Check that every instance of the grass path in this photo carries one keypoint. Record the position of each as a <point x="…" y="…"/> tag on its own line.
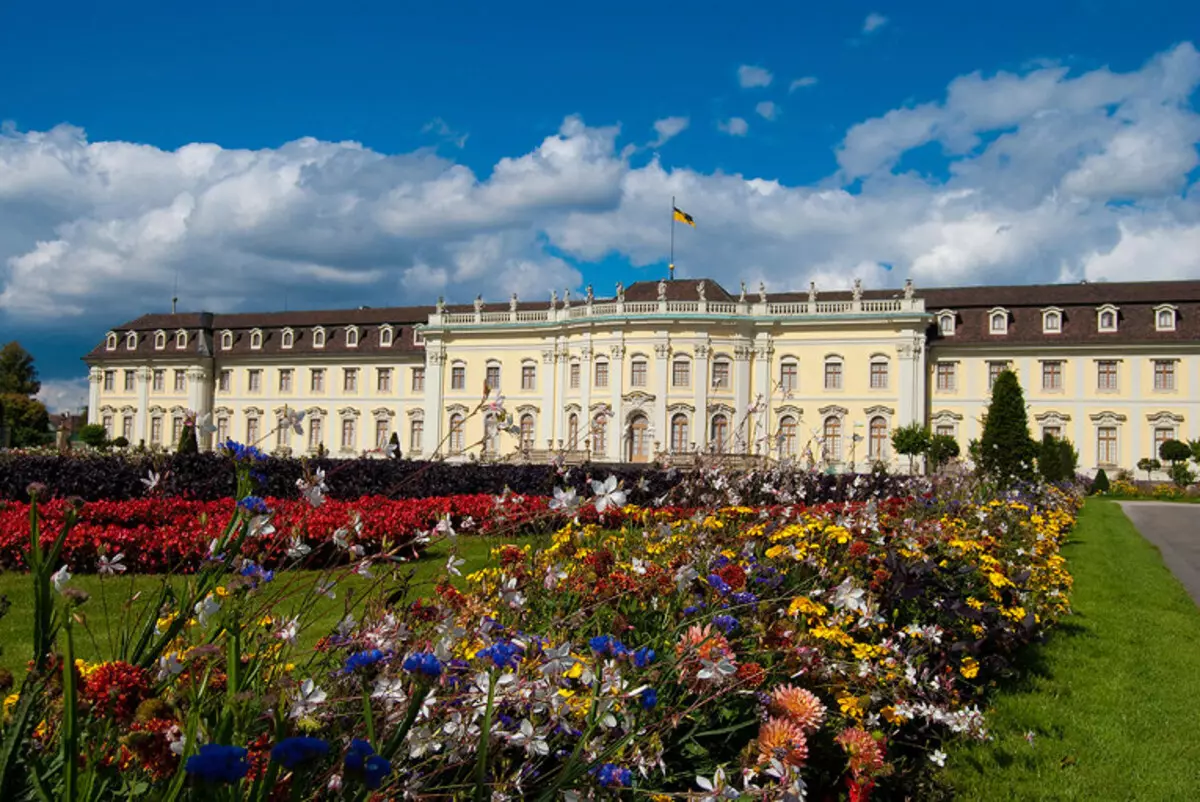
<point x="1113" y="699"/>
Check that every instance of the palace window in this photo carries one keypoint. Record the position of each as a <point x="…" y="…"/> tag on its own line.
<point x="599" y="433"/>
<point x="350" y="380"/>
<point x="492" y="375"/>
<point x="720" y="375"/>
<point x="637" y="373"/>
<point x="352" y="337"/>
<point x="998" y="321"/>
<point x="1052" y="431"/>
<point x="833" y="374"/>
<point x="288" y="339"/>
<point x="787" y="436"/>
<point x="994" y="371"/>
<point x="255" y="380"/>
<point x="222" y="429"/>
<point x="131" y="341"/>
<point x="1106" y="319"/>
<point x="572" y="432"/>
<point x="679" y="434"/>
<point x="946" y="324"/>
<point x="528" y="377"/>
<point x="110" y="377"/>
<point x="129" y="375"/>
<point x="176" y="427"/>
<point x="1161" y="435"/>
<point x="944" y="430"/>
<point x="946" y="377"/>
<point x="833" y="439"/>
<point x="251" y="431"/>
<point x="156" y="430"/>
<point x="181" y="339"/>
<point x="526" y="432"/>
<point x="1164" y="375"/>
<point x="416" y="433"/>
<point x="385" y="337"/>
<point x="789" y="377"/>
<point x="256" y="340"/>
<point x="127" y="427"/>
<point x="108" y="426"/>
<point x="456" y="434"/>
<point x="1052" y="376"/>
<point x="458" y="377"/>
<point x="226" y="340"/>
<point x="382" y="433"/>
<point x="681" y="373"/>
<point x="225" y="381"/>
<point x="719" y="435"/>
<point x="318" y="338"/>
<point x="877" y="438"/>
<point x="418" y="379"/>
<point x="349" y="434"/>
<point x="314" y="433"/>
<point x="285" y="380"/>
<point x="110" y="342"/>
<point x="383" y="380"/>
<point x="160" y="340"/>
<point x="1164" y="318"/>
<point x="574" y="376"/>
<point x="879" y="374"/>
<point x="601" y="369"/>
<point x="1106" y="374"/>
<point x="181" y="381"/>
<point x="1051" y="321"/>
<point x="317" y="380"/>
<point x="159" y="380"/>
<point x="1106" y="446"/>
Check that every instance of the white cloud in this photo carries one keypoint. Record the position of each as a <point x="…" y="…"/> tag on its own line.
<point x="439" y="126"/>
<point x="874" y="22"/>
<point x="668" y="128"/>
<point x="750" y="76"/>
<point x="1044" y="176"/>
<point x="734" y="126"/>
<point x="767" y="110"/>
<point x="800" y="83"/>
<point x="64" y="395"/>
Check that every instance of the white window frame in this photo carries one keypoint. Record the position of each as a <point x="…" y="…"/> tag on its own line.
<point x="876" y="360"/>
<point x="226" y="340"/>
<point x="386" y="336"/>
<point x="160" y="340"/>
<point x="1116" y="318"/>
<point x="131" y="340"/>
<point x="1169" y="310"/>
<point x="994" y="314"/>
<point x="945" y="317"/>
<point x="352" y="336"/>
<point x="1052" y="314"/>
<point x="256" y="339"/>
<point x="110" y="341"/>
<point x="287" y="339"/>
<point x="181" y="338"/>
<point x="319" y="337"/>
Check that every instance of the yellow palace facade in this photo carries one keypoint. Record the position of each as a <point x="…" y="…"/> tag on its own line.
<point x="669" y="370"/>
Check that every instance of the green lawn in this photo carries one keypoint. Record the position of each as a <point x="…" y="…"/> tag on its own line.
<point x="321" y="614"/>
<point x="1112" y="698"/>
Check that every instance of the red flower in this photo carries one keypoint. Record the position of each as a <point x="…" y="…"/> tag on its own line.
<point x="733" y="574"/>
<point x="116" y="689"/>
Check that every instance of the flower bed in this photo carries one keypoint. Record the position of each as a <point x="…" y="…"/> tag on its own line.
<point x="735" y="650"/>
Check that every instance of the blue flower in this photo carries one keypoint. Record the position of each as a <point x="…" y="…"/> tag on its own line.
<point x="744" y="597"/>
<point x="243" y="453"/>
<point x="612" y="776"/>
<point x="504" y="654"/>
<point x="643" y="657"/>
<point x="425" y="663"/>
<point x="694" y="608"/>
<point x="218" y="764"/>
<point x="363" y="660"/>
<point x="254" y="504"/>
<point x="291" y="752"/>
<point x="725" y="623"/>
<point x="718" y="584"/>
<point x="257" y="573"/>
<point x="361" y="761"/>
<point x="649" y="698"/>
<point x="608" y="645"/>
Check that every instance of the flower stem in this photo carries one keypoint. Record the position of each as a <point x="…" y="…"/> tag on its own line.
<point x="485" y="736"/>
<point x="368" y="715"/>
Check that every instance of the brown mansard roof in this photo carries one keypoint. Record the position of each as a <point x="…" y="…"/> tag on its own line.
<point x="1078" y="302"/>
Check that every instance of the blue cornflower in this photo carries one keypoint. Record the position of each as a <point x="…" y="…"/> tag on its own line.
<point x="257" y="573"/>
<point x="608" y="645"/>
<point x="425" y="663"/>
<point x="254" y="504"/>
<point x="692" y="609"/>
<point x="718" y="584"/>
<point x="363" y="660"/>
<point x="649" y="698"/>
<point x="643" y="657"/>
<point x="744" y="597"/>
<point x="291" y="752"/>
<point x="725" y="623"/>
<point x="612" y="776"/>
<point x="361" y="761"/>
<point x="721" y="561"/>
<point x="243" y="453"/>
<point x="218" y="764"/>
<point x="504" y="654"/>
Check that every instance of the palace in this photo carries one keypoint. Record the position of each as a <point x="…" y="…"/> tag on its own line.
<point x="665" y="370"/>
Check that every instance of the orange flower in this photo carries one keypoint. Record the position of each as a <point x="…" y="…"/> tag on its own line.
<point x="781" y="739"/>
<point x="864" y="751"/>
<point x="797" y="705"/>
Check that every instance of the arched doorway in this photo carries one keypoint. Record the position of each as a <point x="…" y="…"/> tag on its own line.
<point x="639" y="439"/>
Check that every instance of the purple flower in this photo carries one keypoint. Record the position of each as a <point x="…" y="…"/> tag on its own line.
<point x="425" y="663"/>
<point x="718" y="584"/>
<point x="643" y="657"/>
<point x="725" y="623"/>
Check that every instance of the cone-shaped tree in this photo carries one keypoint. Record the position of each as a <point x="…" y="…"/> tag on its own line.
<point x="187" y="440"/>
<point x="1006" y="451"/>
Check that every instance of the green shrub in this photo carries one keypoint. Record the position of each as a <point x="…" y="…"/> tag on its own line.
<point x="1100" y="483"/>
<point x="1181" y="474"/>
<point x="94" y="435"/>
<point x="1174" y="451"/>
<point x="1006" y="451"/>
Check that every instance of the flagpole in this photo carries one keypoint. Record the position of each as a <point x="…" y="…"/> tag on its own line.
<point x="671" y="264"/>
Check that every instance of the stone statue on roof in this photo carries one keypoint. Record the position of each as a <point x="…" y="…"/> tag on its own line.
<point x="812" y="292"/>
<point x="857" y="293"/>
<point x="742" y="297"/>
<point x="566" y="299"/>
<point x="700" y="290"/>
<point x="662" y="289"/>
<point x="909" y="290"/>
<point x="512" y="303"/>
<point x="590" y="296"/>
<point x="441" y="305"/>
<point x="553" y="299"/>
<point x="620" y="293"/>
<point x="762" y="292"/>
<point x="478" y="303"/>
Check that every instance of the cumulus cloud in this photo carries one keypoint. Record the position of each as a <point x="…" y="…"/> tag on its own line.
<point x="874" y="22"/>
<point x="801" y="83"/>
<point x="750" y="76"/>
<point x="64" y="395"/>
<point x="668" y="128"/>
<point x="767" y="110"/>
<point x="734" y="126"/>
<point x="1045" y="175"/>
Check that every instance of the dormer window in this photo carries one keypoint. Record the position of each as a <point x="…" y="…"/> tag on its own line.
<point x="1052" y="320"/>
<point x="385" y="337"/>
<point x="110" y="342"/>
<point x="1164" y="318"/>
<point x="352" y="337"/>
<point x="1106" y="318"/>
<point x="256" y="339"/>
<point x="418" y="337"/>
<point x="946" y="323"/>
<point x="318" y="337"/>
<point x="226" y="340"/>
<point x="160" y="340"/>
<point x="131" y="341"/>
<point x="998" y="321"/>
<point x="287" y="338"/>
<point x="181" y="339"/>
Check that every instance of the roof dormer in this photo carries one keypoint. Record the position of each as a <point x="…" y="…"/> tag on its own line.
<point x="110" y="341"/>
<point x="256" y="339"/>
<point x="998" y="320"/>
<point x="1107" y="318"/>
<point x="227" y="340"/>
<point x="386" y="335"/>
<point x="319" y="337"/>
<point x="287" y="338"/>
<point x="160" y="340"/>
<point x="352" y="336"/>
<point x="131" y="340"/>
<point x="181" y="338"/>
<point x="1165" y="316"/>
<point x="1052" y="320"/>
<point x="945" y="322"/>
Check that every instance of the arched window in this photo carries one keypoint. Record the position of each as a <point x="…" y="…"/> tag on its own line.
<point x="789" y="376"/>
<point x="679" y="433"/>
<point x="318" y="338"/>
<point x="131" y="341"/>
<point x="787" y="436"/>
<point x="946" y="324"/>
<point x="1051" y="322"/>
<point x="352" y="337"/>
<point x="721" y="371"/>
<point x="288" y="338"/>
<point x="385" y="337"/>
<point x="572" y="432"/>
<point x="526" y="432"/>
<point x="1107" y="320"/>
<point x="720" y="434"/>
<point x="181" y="339"/>
<point x="110" y="342"/>
<point x="877" y="439"/>
<point x="226" y="340"/>
<point x="160" y="340"/>
<point x="456" y="434"/>
<point x="998" y="322"/>
<point x="879" y="372"/>
<point x="599" y="433"/>
<point x="256" y="339"/>
<point x="833" y="439"/>
<point x="833" y="373"/>
<point x="1166" y="319"/>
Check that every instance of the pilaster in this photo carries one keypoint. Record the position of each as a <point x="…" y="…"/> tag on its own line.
<point x="662" y="370"/>
<point x="547" y="423"/>
<point x="95" y="380"/>
<point x="141" y="421"/>
<point x="740" y="425"/>
<point x="616" y="380"/>
<point x="435" y="368"/>
<point x="702" y="380"/>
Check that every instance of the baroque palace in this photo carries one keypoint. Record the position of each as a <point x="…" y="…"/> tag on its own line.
<point x="666" y="370"/>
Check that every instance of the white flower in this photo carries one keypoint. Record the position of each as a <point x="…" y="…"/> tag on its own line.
<point x="60" y="578"/>
<point x="308" y="698"/>
<point x="315" y="490"/>
<point x="176" y="740"/>
<point x="206" y="609"/>
<point x="292" y="420"/>
<point x="346" y="625"/>
<point x="204" y="424"/>
<point x="938" y="758"/>
<point x="298" y="548"/>
<point x="444" y="526"/>
<point x="390" y="691"/>
<point x="607" y="494"/>
<point x="169" y="666"/>
<point x="453" y="564"/>
<point x="261" y="526"/>
<point x="564" y="499"/>
<point x="363" y="569"/>
<point x="326" y="589"/>
<point x="558" y="660"/>
<point x="495" y="405"/>
<point x="151" y="481"/>
<point x="113" y="566"/>
<point x="289" y="631"/>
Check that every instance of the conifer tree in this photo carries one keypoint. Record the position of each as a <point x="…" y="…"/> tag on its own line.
<point x="1006" y="451"/>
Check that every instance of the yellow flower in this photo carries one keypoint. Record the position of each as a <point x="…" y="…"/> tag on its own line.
<point x="575" y="671"/>
<point x="889" y="713"/>
<point x="850" y="706"/>
<point x="10" y="702"/>
<point x="866" y="651"/>
<point x="970" y="668"/>
<point x="222" y="591"/>
<point x="1014" y="613"/>
<point x="998" y="579"/>
<point x="975" y="603"/>
<point x="832" y="634"/>
<point x="803" y="604"/>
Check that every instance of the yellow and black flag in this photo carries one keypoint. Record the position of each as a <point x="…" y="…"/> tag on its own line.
<point x="684" y="217"/>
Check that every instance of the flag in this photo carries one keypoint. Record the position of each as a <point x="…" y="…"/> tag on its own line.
<point x="684" y="217"/>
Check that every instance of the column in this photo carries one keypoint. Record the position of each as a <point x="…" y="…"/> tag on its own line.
<point x="616" y="380"/>
<point x="200" y="394"/>
<point x="740" y="425"/>
<point x="907" y="367"/>
<point x="95" y="379"/>
<point x="141" y="421"/>
<point x="586" y="375"/>
<point x="548" y="424"/>
<point x="702" y="380"/>
<point x="762" y="370"/>
<point x="662" y="369"/>
<point x="435" y="364"/>
<point x="560" y="424"/>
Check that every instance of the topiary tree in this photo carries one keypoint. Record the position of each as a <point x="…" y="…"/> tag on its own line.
<point x="1173" y="451"/>
<point x="1050" y="459"/>
<point x="394" y="445"/>
<point x="1149" y="465"/>
<point x="94" y="435"/>
<point x="1006" y="451"/>
<point x="187" y="439"/>
<point x="1100" y="483"/>
<point x="911" y="440"/>
<point x="120" y="441"/>
<point x="1068" y="458"/>
<point x="942" y="448"/>
<point x="1181" y="474"/>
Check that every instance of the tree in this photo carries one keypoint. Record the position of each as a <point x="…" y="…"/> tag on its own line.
<point x="1068" y="458"/>
<point x="1149" y="465"/>
<point x="18" y="376"/>
<point x="27" y="419"/>
<point x="1181" y="474"/>
<point x="187" y="439"/>
<point x="394" y="445"/>
<point x="911" y="440"/>
<point x="121" y="441"/>
<point x="1100" y="483"/>
<point x="1050" y="459"/>
<point x="1174" y="451"/>
<point x="94" y="435"/>
<point x="942" y="448"/>
<point x="1006" y="451"/>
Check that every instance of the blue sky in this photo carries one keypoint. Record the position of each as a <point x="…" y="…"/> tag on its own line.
<point x="377" y="153"/>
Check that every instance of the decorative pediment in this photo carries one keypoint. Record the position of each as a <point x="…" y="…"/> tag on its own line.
<point x="572" y="407"/>
<point x="946" y="416"/>
<point x="718" y="408"/>
<point x="599" y="406"/>
<point x="456" y="409"/>
<point x="253" y="412"/>
<point x="681" y="406"/>
<point x="156" y="410"/>
<point x="179" y="409"/>
<point x="528" y="409"/>
<point x="315" y="412"/>
<point x="222" y="411"/>
<point x="349" y="412"/>
<point x="833" y="409"/>
<point x="1052" y="418"/>
<point x="383" y="412"/>
<point x="789" y="409"/>
<point x="107" y="408"/>
<point x="879" y="409"/>
<point x="280" y="412"/>
<point x="1164" y="418"/>
<point x="639" y="398"/>
<point x="416" y="413"/>
<point x="1107" y="418"/>
<point x="127" y="409"/>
